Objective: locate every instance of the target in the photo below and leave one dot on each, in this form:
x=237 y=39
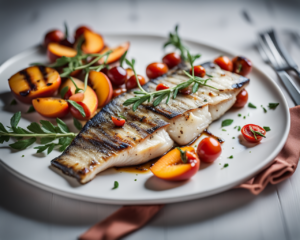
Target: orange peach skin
x=55 y=51
x=93 y=42
x=102 y=86
x=116 y=53
x=34 y=82
x=51 y=107
x=170 y=167
x=89 y=103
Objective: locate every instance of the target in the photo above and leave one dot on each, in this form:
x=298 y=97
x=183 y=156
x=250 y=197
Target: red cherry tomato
x=249 y=135
x=172 y=59
x=209 y=149
x=79 y=31
x=129 y=72
x=186 y=91
x=117 y=75
x=161 y=86
x=53 y=36
x=242 y=65
x=131 y=82
x=118 y=91
x=241 y=99
x=224 y=63
x=199 y=71
x=154 y=70
x=119 y=122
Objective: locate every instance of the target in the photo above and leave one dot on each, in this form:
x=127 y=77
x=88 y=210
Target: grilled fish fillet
x=150 y=131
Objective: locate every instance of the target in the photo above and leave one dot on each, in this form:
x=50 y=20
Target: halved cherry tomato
x=199 y=71
x=224 y=63
x=209 y=149
x=131 y=82
x=241 y=99
x=241 y=65
x=118 y=91
x=161 y=86
x=117 y=75
x=250 y=136
x=80 y=30
x=119 y=122
x=53 y=36
x=172 y=59
x=156 y=69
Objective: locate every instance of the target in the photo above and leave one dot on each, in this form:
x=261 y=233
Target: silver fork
x=271 y=55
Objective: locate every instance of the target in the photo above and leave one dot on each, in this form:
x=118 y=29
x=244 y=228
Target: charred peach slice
x=116 y=53
x=89 y=102
x=171 y=167
x=102 y=86
x=51 y=107
x=55 y=51
x=34 y=82
x=93 y=42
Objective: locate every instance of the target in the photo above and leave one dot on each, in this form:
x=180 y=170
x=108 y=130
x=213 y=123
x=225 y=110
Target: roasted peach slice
x=171 y=166
x=51 y=107
x=102 y=86
x=55 y=51
x=116 y=53
x=89 y=102
x=93 y=42
x=34 y=82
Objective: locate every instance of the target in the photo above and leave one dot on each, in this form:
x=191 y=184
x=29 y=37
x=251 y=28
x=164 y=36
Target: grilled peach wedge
x=93 y=43
x=102 y=87
x=89 y=102
x=51 y=107
x=172 y=168
x=34 y=82
x=116 y=53
x=55 y=51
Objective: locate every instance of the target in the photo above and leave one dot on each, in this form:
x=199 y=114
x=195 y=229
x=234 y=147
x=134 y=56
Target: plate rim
x=163 y=200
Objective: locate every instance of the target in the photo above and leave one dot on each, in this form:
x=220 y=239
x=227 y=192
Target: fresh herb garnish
x=239 y=128
x=273 y=105
x=158 y=96
x=175 y=40
x=227 y=122
x=64 y=91
x=121 y=116
x=224 y=130
x=233 y=137
x=265 y=110
x=230 y=157
x=225 y=165
x=239 y=115
x=46 y=132
x=134 y=179
x=182 y=155
x=122 y=59
x=239 y=68
x=256 y=133
x=30 y=109
x=244 y=117
x=23 y=155
x=77 y=124
x=116 y=185
x=250 y=105
x=13 y=102
x=78 y=107
x=267 y=129
x=77 y=89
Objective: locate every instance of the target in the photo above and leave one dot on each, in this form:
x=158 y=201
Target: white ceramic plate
x=211 y=179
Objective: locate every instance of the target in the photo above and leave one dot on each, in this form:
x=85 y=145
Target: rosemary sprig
x=158 y=96
x=45 y=131
x=175 y=40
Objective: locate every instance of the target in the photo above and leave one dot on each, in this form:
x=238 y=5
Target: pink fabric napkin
x=130 y=218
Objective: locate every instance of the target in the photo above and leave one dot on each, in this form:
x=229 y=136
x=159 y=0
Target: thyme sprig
x=45 y=131
x=158 y=96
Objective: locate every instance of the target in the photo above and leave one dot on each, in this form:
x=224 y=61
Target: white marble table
x=27 y=212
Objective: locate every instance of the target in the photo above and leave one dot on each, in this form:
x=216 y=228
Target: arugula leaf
x=47 y=140
x=62 y=126
x=47 y=126
x=35 y=127
x=14 y=121
x=22 y=144
x=227 y=122
x=77 y=106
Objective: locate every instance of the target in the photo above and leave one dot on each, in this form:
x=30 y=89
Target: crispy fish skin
x=149 y=132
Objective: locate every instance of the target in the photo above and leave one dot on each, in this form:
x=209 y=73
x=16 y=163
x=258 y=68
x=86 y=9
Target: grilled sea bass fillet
x=150 y=131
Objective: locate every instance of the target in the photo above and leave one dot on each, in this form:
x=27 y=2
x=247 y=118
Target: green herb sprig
x=182 y=155
x=158 y=96
x=45 y=131
x=256 y=133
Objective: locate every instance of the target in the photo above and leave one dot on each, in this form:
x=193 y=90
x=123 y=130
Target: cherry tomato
x=186 y=91
x=199 y=71
x=249 y=135
x=118 y=91
x=129 y=72
x=117 y=75
x=80 y=30
x=241 y=99
x=53 y=36
x=209 y=149
x=154 y=70
x=161 y=86
x=172 y=59
x=241 y=65
x=224 y=63
x=131 y=82
x=119 y=122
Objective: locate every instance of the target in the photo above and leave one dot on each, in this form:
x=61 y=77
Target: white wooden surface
x=29 y=213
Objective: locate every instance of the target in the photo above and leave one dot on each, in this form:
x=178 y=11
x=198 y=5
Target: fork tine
x=280 y=60
x=267 y=51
